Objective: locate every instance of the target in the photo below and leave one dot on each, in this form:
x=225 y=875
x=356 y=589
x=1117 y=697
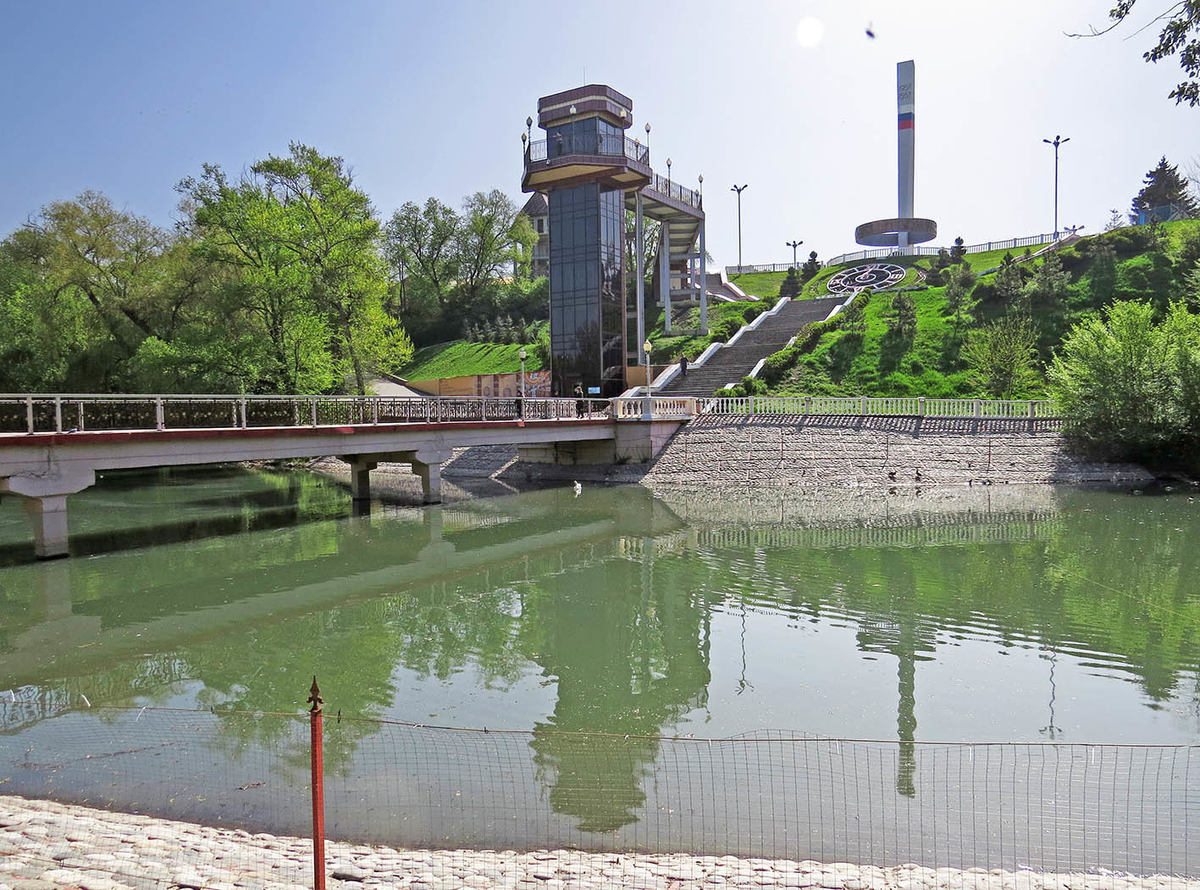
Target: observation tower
x=905 y=229
x=591 y=173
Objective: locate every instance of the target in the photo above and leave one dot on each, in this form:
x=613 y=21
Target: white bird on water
x=578 y=489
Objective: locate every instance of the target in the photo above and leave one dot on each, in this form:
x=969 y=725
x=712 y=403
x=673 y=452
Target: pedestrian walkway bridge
x=52 y=446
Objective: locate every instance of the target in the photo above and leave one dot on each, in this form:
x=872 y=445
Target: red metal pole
x=318 y=787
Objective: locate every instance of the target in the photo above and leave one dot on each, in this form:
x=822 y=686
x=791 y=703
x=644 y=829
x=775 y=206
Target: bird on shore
x=918 y=476
x=892 y=475
x=578 y=489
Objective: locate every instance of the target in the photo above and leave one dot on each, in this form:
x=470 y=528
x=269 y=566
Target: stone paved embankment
x=819 y=452
x=48 y=846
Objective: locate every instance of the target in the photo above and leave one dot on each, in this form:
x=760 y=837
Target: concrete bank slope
x=46 y=846
x=822 y=452
x=877 y=451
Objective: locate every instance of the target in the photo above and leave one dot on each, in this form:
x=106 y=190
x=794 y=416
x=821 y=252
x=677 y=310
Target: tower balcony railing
x=596 y=144
x=664 y=186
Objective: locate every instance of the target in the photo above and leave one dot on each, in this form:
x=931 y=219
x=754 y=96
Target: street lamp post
x=1058 y=140
x=646 y=347
x=739 y=189
x=522 y=355
x=668 y=173
x=793 y=245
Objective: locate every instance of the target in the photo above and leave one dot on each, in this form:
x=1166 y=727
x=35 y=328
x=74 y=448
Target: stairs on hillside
x=731 y=363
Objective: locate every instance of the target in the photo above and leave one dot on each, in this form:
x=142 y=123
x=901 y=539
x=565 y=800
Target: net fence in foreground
x=1130 y=810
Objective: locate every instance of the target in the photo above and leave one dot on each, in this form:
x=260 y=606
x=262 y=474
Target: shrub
x=791 y=284
x=752 y=312
x=1000 y=356
x=1127 y=386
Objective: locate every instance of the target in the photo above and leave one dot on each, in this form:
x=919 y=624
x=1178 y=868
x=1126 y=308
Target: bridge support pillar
x=431 y=480
x=48 y=515
x=360 y=478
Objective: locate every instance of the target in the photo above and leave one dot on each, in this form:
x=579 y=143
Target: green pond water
x=1006 y=615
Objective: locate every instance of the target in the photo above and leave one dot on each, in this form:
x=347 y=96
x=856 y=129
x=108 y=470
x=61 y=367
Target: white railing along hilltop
x=25 y=414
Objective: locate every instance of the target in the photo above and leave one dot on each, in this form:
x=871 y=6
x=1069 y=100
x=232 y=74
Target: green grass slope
x=460 y=358
x=865 y=358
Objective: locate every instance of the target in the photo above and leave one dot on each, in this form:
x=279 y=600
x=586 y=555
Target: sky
x=792 y=98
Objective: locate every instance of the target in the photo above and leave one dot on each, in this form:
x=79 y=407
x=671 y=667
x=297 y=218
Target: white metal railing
x=868 y=406
x=66 y=413
x=71 y=413
x=878 y=253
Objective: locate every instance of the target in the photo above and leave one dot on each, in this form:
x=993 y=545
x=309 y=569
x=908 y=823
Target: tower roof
x=536 y=206
x=586 y=101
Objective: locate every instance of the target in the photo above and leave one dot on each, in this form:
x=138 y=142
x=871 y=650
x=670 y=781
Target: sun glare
x=809 y=32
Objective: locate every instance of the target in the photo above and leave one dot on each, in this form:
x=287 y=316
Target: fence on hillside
x=1046 y=806
x=880 y=253
x=869 y=406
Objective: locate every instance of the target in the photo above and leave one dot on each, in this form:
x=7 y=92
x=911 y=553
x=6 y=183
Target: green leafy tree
x=1115 y=221
x=422 y=243
x=958 y=252
x=304 y=243
x=1163 y=186
x=1180 y=35
x=1118 y=378
x=492 y=234
x=1001 y=356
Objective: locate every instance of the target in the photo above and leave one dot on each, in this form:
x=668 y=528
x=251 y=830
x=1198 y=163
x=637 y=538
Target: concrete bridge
x=51 y=446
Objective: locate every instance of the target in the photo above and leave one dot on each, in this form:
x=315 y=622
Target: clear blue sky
x=430 y=99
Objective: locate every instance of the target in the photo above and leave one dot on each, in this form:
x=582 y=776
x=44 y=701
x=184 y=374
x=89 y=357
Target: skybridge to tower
x=592 y=172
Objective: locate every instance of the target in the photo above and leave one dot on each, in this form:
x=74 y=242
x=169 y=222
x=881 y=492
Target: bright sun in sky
x=809 y=32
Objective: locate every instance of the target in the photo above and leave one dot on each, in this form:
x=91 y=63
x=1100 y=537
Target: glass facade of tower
x=587 y=230
x=590 y=136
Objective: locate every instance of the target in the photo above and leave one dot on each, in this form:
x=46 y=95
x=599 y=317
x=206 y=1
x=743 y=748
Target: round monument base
x=887 y=232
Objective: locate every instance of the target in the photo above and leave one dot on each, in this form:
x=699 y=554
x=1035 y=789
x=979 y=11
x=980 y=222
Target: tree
x=1010 y=279
x=1180 y=35
x=305 y=243
x=904 y=321
x=960 y=280
x=422 y=243
x=810 y=268
x=1001 y=356
x=791 y=284
x=1115 y=221
x=1163 y=186
x=1048 y=284
x=1119 y=379
x=958 y=252
x=492 y=233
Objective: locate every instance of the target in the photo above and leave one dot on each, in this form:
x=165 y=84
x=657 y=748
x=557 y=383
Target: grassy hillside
x=864 y=357
x=459 y=358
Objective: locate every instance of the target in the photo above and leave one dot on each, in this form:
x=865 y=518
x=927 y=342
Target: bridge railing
x=1037 y=409
x=81 y=413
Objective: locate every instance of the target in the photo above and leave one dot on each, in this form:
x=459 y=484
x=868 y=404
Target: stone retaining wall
x=819 y=452
x=48 y=846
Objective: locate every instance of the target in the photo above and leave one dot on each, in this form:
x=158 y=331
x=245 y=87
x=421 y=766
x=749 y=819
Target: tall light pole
x=646 y=347
x=1058 y=140
x=739 y=189
x=522 y=355
x=793 y=245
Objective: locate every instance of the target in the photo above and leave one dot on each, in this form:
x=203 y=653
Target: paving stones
x=97 y=850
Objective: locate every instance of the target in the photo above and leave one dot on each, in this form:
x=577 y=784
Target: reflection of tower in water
x=630 y=654
x=901 y=634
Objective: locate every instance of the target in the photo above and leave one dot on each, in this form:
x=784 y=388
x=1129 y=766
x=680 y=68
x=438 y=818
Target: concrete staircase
x=731 y=363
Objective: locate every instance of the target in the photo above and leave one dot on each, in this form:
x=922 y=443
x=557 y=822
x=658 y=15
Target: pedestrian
x=683 y=363
x=579 y=404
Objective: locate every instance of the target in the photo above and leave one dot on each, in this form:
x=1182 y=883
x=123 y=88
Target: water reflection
x=626 y=613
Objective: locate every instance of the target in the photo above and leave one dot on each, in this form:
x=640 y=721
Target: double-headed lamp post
x=1058 y=140
x=793 y=245
x=739 y=189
